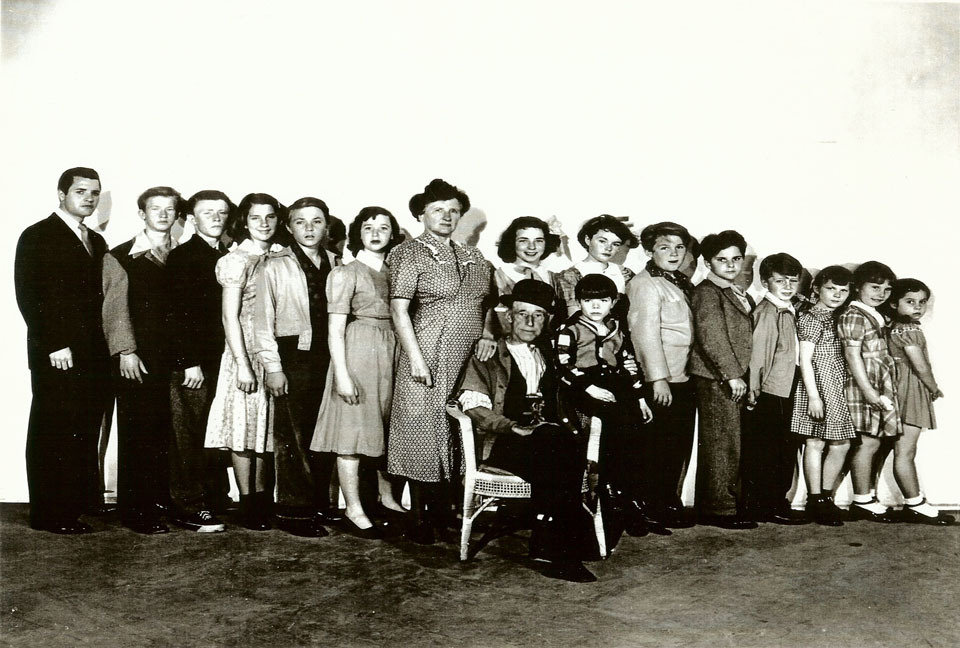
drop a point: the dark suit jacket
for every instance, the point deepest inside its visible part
(60, 293)
(196, 330)
(723, 333)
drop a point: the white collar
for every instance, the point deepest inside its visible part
(510, 269)
(250, 247)
(779, 303)
(871, 311)
(588, 266)
(70, 220)
(369, 259)
(143, 243)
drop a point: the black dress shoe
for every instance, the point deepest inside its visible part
(822, 510)
(301, 527)
(370, 533)
(74, 527)
(729, 522)
(147, 526)
(857, 512)
(635, 513)
(572, 571)
(422, 534)
(778, 517)
(913, 517)
(330, 515)
(636, 528)
(99, 510)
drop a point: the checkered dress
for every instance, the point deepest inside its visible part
(829, 372)
(857, 329)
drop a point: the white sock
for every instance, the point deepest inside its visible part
(913, 501)
(862, 499)
(870, 504)
(924, 509)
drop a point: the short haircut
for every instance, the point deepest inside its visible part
(68, 176)
(355, 244)
(336, 230)
(612, 224)
(781, 263)
(650, 234)
(872, 272)
(595, 286)
(837, 274)
(901, 287)
(159, 192)
(436, 191)
(238, 227)
(208, 194)
(507, 245)
(712, 244)
(303, 203)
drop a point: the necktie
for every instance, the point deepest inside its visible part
(85, 237)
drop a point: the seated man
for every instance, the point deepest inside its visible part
(512, 400)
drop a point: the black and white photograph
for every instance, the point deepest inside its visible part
(440, 323)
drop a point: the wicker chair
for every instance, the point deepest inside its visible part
(483, 488)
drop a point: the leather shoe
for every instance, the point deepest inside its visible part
(572, 571)
(301, 527)
(74, 527)
(99, 510)
(911, 516)
(330, 515)
(729, 522)
(147, 526)
(857, 512)
(778, 517)
(635, 512)
(370, 533)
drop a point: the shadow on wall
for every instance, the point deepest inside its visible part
(104, 211)
(470, 227)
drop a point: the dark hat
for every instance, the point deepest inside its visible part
(534, 292)
(438, 190)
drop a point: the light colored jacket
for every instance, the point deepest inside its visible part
(661, 327)
(773, 361)
(282, 307)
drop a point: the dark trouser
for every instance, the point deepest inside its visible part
(62, 433)
(303, 477)
(197, 480)
(667, 445)
(718, 449)
(769, 454)
(143, 439)
(552, 459)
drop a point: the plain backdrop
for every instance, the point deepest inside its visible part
(827, 130)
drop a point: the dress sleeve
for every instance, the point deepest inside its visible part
(403, 273)
(341, 287)
(232, 271)
(909, 337)
(809, 328)
(852, 328)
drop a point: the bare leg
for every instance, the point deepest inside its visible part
(388, 495)
(833, 464)
(242, 466)
(904, 468)
(264, 472)
(813, 465)
(348, 469)
(861, 464)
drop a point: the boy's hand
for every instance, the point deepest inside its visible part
(645, 412)
(62, 359)
(751, 399)
(738, 388)
(485, 349)
(601, 394)
(661, 393)
(132, 367)
(630, 364)
(193, 377)
(815, 408)
(276, 383)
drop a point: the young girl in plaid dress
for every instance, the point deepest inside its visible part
(916, 390)
(871, 383)
(820, 411)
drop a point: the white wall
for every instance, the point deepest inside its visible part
(831, 132)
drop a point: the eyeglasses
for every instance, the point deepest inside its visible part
(531, 318)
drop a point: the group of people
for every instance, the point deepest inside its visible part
(585, 381)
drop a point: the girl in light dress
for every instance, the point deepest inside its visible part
(241, 414)
(916, 390)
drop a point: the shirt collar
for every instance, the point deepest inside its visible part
(369, 259)
(779, 303)
(71, 221)
(871, 311)
(514, 271)
(250, 247)
(588, 266)
(143, 244)
(718, 280)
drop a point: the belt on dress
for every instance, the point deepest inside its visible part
(379, 322)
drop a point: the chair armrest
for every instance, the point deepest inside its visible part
(465, 427)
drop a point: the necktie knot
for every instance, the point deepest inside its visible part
(85, 238)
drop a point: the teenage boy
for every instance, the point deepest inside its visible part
(290, 333)
(661, 329)
(198, 483)
(136, 306)
(57, 277)
(599, 377)
(769, 451)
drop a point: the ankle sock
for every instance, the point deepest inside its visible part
(913, 501)
(869, 503)
(922, 507)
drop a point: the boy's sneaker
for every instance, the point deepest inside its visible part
(199, 521)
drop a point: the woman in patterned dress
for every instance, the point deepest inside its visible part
(437, 293)
(871, 384)
(602, 237)
(820, 413)
(241, 416)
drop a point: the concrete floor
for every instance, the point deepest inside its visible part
(860, 585)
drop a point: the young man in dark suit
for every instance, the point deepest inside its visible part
(198, 483)
(57, 277)
(136, 307)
